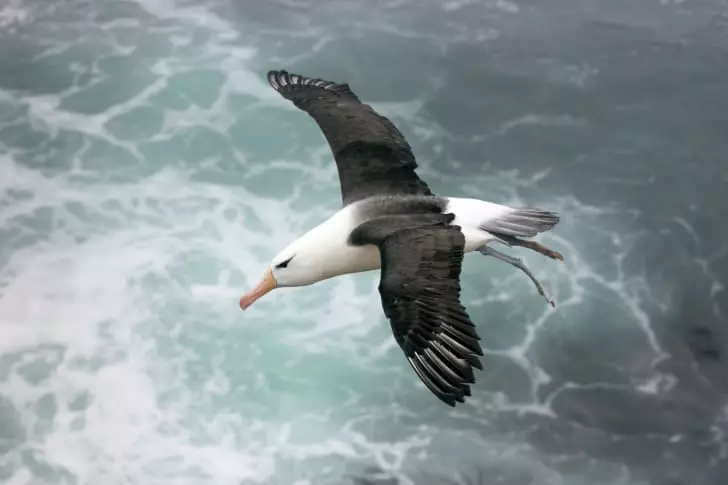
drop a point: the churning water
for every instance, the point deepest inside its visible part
(148, 174)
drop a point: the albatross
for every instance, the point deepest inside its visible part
(390, 220)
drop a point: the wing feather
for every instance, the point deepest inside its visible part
(372, 156)
(420, 292)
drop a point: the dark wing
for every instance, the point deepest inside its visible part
(420, 291)
(372, 156)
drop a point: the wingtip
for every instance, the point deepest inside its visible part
(450, 385)
(283, 81)
(452, 400)
(277, 77)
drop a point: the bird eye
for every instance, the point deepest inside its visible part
(284, 264)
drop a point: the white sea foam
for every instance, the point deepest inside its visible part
(13, 14)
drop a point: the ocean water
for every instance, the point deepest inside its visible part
(148, 174)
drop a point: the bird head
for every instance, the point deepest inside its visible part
(302, 263)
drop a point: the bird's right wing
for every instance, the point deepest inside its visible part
(372, 156)
(420, 292)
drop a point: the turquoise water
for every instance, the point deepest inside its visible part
(148, 174)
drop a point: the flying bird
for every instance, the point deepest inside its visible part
(391, 220)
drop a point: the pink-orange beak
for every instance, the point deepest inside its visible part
(267, 284)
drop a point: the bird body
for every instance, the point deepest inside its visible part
(330, 240)
(392, 221)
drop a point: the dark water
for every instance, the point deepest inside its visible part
(148, 174)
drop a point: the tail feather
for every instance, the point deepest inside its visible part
(525, 222)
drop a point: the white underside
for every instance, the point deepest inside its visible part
(470, 215)
(334, 256)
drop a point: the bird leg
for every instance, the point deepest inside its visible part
(488, 251)
(540, 248)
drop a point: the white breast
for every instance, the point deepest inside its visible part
(327, 244)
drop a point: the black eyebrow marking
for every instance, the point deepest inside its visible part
(283, 264)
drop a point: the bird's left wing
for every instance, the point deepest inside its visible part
(372, 156)
(420, 292)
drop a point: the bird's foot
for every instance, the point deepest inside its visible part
(488, 251)
(540, 248)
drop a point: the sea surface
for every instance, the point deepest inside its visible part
(148, 174)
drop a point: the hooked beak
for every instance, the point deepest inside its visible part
(267, 284)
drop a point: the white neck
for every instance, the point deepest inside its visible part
(323, 252)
